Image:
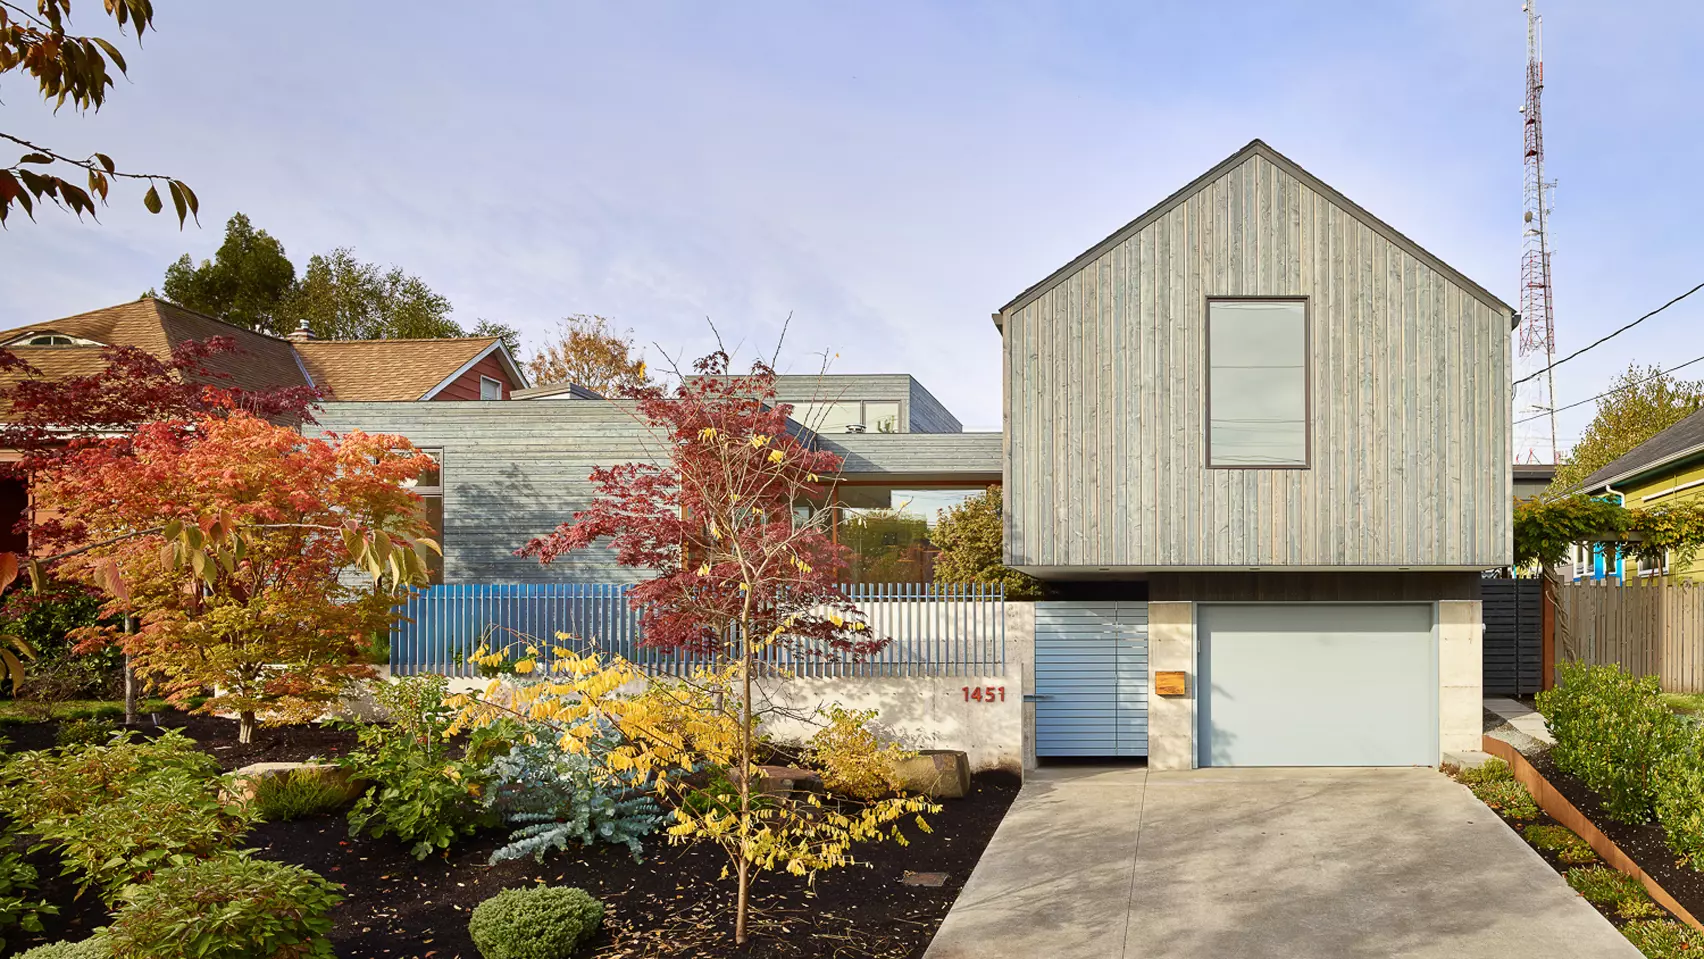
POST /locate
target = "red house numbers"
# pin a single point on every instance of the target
(984, 694)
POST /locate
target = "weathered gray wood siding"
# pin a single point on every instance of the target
(925, 414)
(512, 471)
(1410, 382)
(972, 457)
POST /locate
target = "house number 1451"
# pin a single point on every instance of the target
(984, 694)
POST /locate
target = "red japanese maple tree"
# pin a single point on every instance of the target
(741, 560)
(226, 537)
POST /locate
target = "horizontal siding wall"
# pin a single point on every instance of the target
(975, 456)
(512, 471)
(1105, 381)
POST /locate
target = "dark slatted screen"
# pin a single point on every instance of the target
(1513, 640)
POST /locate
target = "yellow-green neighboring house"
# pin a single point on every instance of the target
(1667, 468)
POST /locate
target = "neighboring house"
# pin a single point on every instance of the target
(469, 368)
(1668, 468)
(1274, 434)
(1531, 479)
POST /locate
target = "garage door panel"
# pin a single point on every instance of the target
(1317, 685)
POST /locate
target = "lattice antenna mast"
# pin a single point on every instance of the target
(1537, 331)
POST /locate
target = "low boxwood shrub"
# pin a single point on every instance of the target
(1664, 938)
(94, 947)
(232, 906)
(1612, 731)
(1564, 842)
(1616, 891)
(541, 922)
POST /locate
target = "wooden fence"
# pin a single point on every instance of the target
(1649, 628)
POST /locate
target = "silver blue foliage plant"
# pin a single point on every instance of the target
(553, 797)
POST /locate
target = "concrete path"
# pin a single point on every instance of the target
(1263, 864)
(1524, 718)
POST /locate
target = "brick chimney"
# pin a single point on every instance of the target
(301, 333)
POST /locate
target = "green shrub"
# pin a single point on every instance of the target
(554, 797)
(542, 922)
(44, 620)
(162, 822)
(420, 794)
(1680, 798)
(1612, 731)
(84, 732)
(299, 793)
(1664, 938)
(1616, 891)
(1564, 842)
(43, 784)
(232, 906)
(720, 794)
(94, 947)
(20, 908)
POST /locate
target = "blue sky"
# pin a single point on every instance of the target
(888, 174)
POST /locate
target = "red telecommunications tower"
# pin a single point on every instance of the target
(1537, 331)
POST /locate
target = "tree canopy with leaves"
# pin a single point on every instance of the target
(76, 70)
(971, 537)
(1642, 402)
(226, 537)
(251, 282)
(589, 353)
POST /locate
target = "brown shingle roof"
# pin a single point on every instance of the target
(386, 369)
(341, 369)
(263, 362)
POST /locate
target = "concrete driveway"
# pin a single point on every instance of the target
(1261, 863)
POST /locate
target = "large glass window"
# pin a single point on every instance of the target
(849, 416)
(889, 530)
(1257, 383)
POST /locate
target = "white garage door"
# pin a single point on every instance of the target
(1315, 684)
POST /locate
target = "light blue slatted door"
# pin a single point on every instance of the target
(1091, 679)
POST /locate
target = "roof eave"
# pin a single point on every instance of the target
(1643, 469)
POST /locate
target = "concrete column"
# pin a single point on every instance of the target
(1020, 661)
(1171, 719)
(1461, 635)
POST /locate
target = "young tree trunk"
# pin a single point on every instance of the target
(745, 791)
(245, 727)
(129, 678)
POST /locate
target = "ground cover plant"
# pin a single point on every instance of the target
(1664, 938)
(1617, 891)
(298, 794)
(1563, 842)
(1495, 785)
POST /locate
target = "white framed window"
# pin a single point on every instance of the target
(1258, 403)
(490, 389)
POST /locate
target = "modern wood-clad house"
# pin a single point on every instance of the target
(1276, 432)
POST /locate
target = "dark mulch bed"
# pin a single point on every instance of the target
(1644, 843)
(216, 735)
(673, 904)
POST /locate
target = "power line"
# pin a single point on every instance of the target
(1601, 340)
(1618, 389)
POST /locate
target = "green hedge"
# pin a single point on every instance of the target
(1615, 734)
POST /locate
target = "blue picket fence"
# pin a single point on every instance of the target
(932, 628)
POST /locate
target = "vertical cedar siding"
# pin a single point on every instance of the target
(466, 386)
(1105, 387)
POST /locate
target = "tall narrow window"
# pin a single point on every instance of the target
(430, 487)
(1257, 383)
